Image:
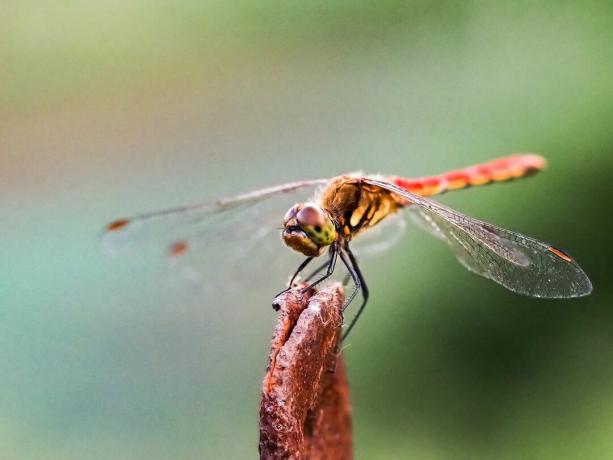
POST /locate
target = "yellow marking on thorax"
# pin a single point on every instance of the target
(358, 213)
(356, 206)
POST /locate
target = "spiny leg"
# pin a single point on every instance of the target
(308, 278)
(331, 264)
(358, 279)
(357, 284)
(301, 267)
(316, 271)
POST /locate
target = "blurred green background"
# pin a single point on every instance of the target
(112, 108)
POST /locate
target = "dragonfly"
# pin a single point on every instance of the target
(346, 206)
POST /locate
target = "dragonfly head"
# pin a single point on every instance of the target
(308, 229)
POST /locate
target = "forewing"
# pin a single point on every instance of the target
(520, 263)
(186, 219)
(212, 241)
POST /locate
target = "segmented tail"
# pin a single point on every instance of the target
(498, 170)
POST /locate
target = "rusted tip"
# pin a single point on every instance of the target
(117, 225)
(178, 248)
(305, 411)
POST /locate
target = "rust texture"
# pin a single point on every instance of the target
(305, 411)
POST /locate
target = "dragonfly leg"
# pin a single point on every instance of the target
(329, 271)
(317, 271)
(301, 267)
(360, 284)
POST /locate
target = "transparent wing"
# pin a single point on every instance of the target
(185, 219)
(209, 242)
(520, 263)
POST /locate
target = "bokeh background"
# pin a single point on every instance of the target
(116, 107)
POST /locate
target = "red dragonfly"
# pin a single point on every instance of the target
(348, 205)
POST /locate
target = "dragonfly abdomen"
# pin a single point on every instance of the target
(501, 169)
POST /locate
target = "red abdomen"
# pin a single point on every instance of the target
(500, 169)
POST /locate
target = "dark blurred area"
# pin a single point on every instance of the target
(114, 108)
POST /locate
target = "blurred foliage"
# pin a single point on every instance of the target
(117, 107)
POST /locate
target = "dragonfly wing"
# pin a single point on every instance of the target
(520, 263)
(210, 243)
(190, 219)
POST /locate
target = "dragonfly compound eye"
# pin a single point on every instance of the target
(316, 224)
(291, 214)
(308, 229)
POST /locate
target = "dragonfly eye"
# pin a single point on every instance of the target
(311, 215)
(290, 214)
(316, 224)
(308, 229)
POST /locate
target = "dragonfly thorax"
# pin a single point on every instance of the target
(308, 229)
